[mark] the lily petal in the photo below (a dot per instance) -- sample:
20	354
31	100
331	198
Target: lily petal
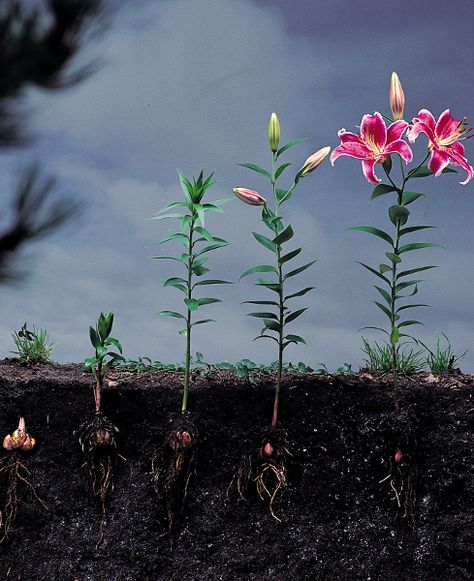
456	157
352	149
395	130
402	148
368	171
446	126
373	130
438	161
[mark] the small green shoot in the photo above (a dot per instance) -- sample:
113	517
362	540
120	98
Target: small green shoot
380	358
442	359
32	346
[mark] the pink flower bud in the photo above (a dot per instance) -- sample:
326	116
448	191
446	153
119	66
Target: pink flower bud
314	161
398	456
397	98
250	197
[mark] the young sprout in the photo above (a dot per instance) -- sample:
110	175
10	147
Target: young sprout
102	343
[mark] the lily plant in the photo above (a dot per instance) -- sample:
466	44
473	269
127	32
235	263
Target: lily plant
278	314
197	242
375	146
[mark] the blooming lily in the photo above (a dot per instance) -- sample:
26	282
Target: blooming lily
374	144
443	136
250	197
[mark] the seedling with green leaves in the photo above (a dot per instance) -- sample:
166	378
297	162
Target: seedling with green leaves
174	462
32	345
98	435
277	314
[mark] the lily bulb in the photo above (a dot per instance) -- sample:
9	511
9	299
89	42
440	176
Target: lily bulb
314	161
250	197
20	439
397	98
274	133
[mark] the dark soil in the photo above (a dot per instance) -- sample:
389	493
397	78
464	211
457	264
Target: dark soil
338	521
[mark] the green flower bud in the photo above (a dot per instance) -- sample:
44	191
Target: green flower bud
274	132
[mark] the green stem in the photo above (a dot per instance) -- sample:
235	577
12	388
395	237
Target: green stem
281	309
187	370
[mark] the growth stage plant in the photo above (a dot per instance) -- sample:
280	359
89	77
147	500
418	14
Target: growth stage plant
98	434
15	476
267	467
174	462
398	282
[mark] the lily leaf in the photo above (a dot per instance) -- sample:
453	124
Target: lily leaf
259	268
375	232
256	168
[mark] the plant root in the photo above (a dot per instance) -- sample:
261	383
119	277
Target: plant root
15	473
98	441
402	482
264	471
173	465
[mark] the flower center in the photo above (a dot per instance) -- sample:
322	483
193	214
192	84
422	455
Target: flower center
462	131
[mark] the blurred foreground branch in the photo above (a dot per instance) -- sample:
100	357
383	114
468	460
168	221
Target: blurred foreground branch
37	47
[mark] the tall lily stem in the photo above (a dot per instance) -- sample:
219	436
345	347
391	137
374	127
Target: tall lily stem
187	371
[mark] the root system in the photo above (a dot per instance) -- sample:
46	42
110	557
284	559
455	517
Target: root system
16	474
173	466
98	440
264	470
402	482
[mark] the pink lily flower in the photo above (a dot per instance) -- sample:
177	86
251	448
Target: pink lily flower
443	136
374	144
250	197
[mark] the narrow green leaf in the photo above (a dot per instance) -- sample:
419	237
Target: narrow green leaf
384	309
185	222
114	342
204	233
298	270
263	315
93	337
421	172
265	242
373	271
409	197
414	229
268	284
284	236
398	214
202	321
294	315
166	216
393	257
176	236
201	213
375	329
387	164
383	268
294	339
208	301
165	258
384	294
401	285
411	306
192	304
273	303
211	281
300	293
414	270
259	268
187	188
289	256
256	168
417	246
172	314
262	336
215	246
375	232
212	208
170	207
381	190
272	325
287	146
177	282
281	169
408	323
280	194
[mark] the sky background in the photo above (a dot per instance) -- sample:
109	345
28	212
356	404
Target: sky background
190	84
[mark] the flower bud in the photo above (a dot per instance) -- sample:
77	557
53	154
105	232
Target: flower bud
250	197
314	161
398	456
274	132
397	98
